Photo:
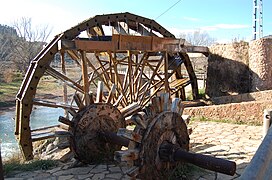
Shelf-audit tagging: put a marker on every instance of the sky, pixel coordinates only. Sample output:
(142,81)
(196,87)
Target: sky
(223,20)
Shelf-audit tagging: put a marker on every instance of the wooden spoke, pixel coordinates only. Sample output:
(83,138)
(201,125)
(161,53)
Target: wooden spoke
(99,93)
(64,78)
(111,93)
(125,70)
(39,102)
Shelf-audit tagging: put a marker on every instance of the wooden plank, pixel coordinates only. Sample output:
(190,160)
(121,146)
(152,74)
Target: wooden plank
(118,81)
(63,134)
(116,104)
(165,101)
(78,101)
(91,46)
(96,31)
(39,102)
(130,69)
(25,132)
(151,80)
(138,119)
(99,93)
(159,86)
(133,172)
(43,133)
(97,73)
(138,84)
(140,43)
(111,93)
(132,108)
(123,132)
(64,88)
(85,77)
(65,121)
(177,105)
(126,155)
(66,157)
(178,83)
(72,112)
(39,137)
(166,84)
(107,79)
(48,128)
(63,78)
(156,104)
(17,117)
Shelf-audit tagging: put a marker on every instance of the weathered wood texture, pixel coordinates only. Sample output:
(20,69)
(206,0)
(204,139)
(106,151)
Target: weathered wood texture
(88,124)
(144,58)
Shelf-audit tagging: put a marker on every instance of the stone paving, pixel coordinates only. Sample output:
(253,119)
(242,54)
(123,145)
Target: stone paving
(229,141)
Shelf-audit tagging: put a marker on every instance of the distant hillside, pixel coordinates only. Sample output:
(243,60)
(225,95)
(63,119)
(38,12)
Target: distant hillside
(268,37)
(7,30)
(7,33)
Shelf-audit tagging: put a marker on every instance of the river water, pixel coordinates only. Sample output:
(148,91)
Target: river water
(40,117)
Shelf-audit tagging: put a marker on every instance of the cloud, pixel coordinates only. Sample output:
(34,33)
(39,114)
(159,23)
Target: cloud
(177,31)
(190,19)
(216,27)
(224,26)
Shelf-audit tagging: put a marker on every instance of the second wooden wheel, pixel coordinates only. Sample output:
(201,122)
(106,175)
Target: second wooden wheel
(87,127)
(166,127)
(160,123)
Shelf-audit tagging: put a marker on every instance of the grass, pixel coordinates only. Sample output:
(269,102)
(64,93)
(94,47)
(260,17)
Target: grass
(14,164)
(8,91)
(185,171)
(204,119)
(201,93)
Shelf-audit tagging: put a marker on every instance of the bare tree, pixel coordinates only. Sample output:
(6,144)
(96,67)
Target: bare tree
(6,35)
(198,38)
(29,43)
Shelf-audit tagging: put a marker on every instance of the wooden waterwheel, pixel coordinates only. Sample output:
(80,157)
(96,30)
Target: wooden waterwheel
(158,123)
(107,68)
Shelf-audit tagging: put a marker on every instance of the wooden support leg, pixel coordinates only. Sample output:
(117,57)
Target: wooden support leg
(192,75)
(65,97)
(25,141)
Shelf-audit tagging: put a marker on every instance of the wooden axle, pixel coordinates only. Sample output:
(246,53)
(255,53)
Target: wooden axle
(170,152)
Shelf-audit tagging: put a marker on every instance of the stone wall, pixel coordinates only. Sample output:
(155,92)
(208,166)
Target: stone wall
(239,68)
(260,63)
(228,72)
(246,112)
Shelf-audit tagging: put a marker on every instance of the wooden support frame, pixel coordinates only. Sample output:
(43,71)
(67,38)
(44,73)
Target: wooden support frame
(138,83)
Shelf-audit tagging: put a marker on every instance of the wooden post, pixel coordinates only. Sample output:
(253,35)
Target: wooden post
(267,121)
(166,72)
(1,166)
(130,75)
(85,77)
(65,98)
